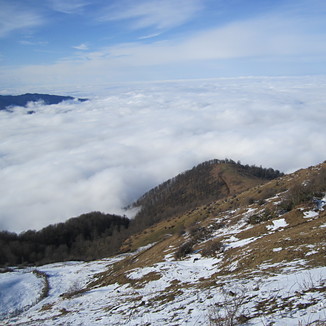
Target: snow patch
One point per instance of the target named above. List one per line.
(235, 242)
(18, 291)
(140, 272)
(310, 214)
(281, 223)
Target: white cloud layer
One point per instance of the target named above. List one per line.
(72, 158)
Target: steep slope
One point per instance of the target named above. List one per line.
(257, 258)
(202, 184)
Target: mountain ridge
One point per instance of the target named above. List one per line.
(254, 258)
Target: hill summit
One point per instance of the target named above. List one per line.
(205, 182)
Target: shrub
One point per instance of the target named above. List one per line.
(265, 216)
(251, 201)
(230, 311)
(300, 193)
(212, 248)
(199, 233)
(255, 219)
(184, 249)
(285, 206)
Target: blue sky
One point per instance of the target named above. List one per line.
(60, 43)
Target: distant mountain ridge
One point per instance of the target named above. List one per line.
(7, 101)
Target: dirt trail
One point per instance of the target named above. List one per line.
(226, 184)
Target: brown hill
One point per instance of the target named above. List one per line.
(271, 230)
(287, 197)
(208, 181)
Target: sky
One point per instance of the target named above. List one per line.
(65, 45)
(170, 85)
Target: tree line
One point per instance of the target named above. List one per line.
(90, 236)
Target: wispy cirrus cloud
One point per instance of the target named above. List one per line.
(27, 42)
(68, 7)
(158, 14)
(15, 16)
(145, 37)
(263, 36)
(82, 47)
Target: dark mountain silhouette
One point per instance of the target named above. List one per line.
(7, 101)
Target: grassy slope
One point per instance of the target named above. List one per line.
(222, 220)
(182, 202)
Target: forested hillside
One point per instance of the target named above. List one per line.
(96, 235)
(208, 181)
(90, 236)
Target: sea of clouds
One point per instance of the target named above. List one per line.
(72, 158)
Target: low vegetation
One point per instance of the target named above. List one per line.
(302, 192)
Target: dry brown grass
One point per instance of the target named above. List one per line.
(47, 307)
(302, 239)
(295, 243)
(117, 272)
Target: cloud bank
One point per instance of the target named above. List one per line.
(72, 158)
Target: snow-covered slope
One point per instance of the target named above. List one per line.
(269, 268)
(297, 294)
